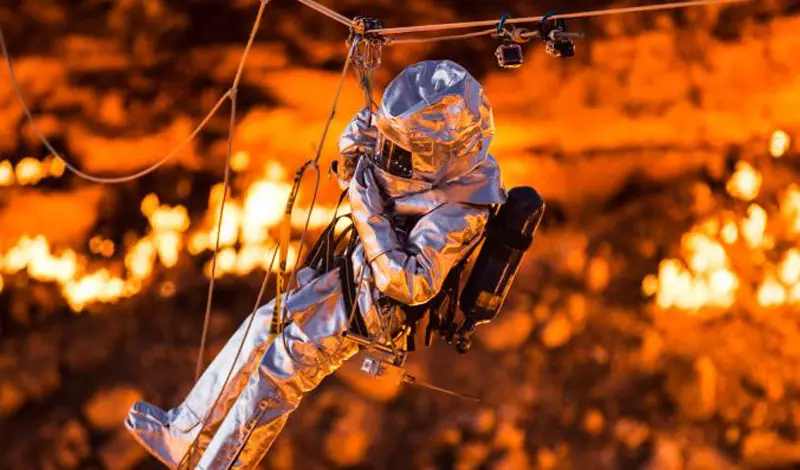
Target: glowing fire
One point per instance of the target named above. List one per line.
(30, 171)
(707, 277)
(745, 182)
(779, 143)
(248, 222)
(790, 209)
(245, 240)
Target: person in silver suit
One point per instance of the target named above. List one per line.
(420, 183)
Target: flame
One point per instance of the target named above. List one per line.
(789, 270)
(745, 182)
(99, 286)
(245, 241)
(790, 208)
(248, 222)
(705, 254)
(140, 259)
(57, 167)
(30, 171)
(708, 276)
(754, 225)
(729, 232)
(707, 281)
(794, 295)
(101, 246)
(240, 161)
(771, 293)
(6, 173)
(779, 143)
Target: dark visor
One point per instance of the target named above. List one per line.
(395, 159)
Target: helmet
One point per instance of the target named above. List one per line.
(434, 123)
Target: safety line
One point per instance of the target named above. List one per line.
(327, 12)
(73, 168)
(534, 19)
(226, 184)
(277, 306)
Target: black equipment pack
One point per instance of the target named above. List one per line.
(507, 236)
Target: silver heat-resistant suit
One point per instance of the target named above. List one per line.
(412, 229)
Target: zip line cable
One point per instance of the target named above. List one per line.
(485, 32)
(536, 19)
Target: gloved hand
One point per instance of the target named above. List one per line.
(358, 138)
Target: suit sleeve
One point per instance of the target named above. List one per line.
(412, 271)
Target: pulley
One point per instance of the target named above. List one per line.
(367, 55)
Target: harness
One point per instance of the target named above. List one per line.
(333, 250)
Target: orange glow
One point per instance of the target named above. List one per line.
(101, 246)
(754, 225)
(745, 182)
(790, 208)
(678, 287)
(99, 286)
(794, 295)
(790, 268)
(249, 222)
(262, 209)
(771, 293)
(705, 275)
(729, 232)
(779, 143)
(29, 171)
(240, 161)
(57, 167)
(6, 173)
(140, 259)
(163, 243)
(705, 254)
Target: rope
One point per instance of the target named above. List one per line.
(276, 326)
(72, 167)
(276, 312)
(327, 12)
(226, 184)
(535, 19)
(486, 32)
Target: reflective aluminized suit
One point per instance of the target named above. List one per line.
(411, 229)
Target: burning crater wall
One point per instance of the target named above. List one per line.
(642, 131)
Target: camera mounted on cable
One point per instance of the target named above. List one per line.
(558, 41)
(367, 54)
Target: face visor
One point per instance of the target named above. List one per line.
(393, 159)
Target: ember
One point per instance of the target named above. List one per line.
(779, 143)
